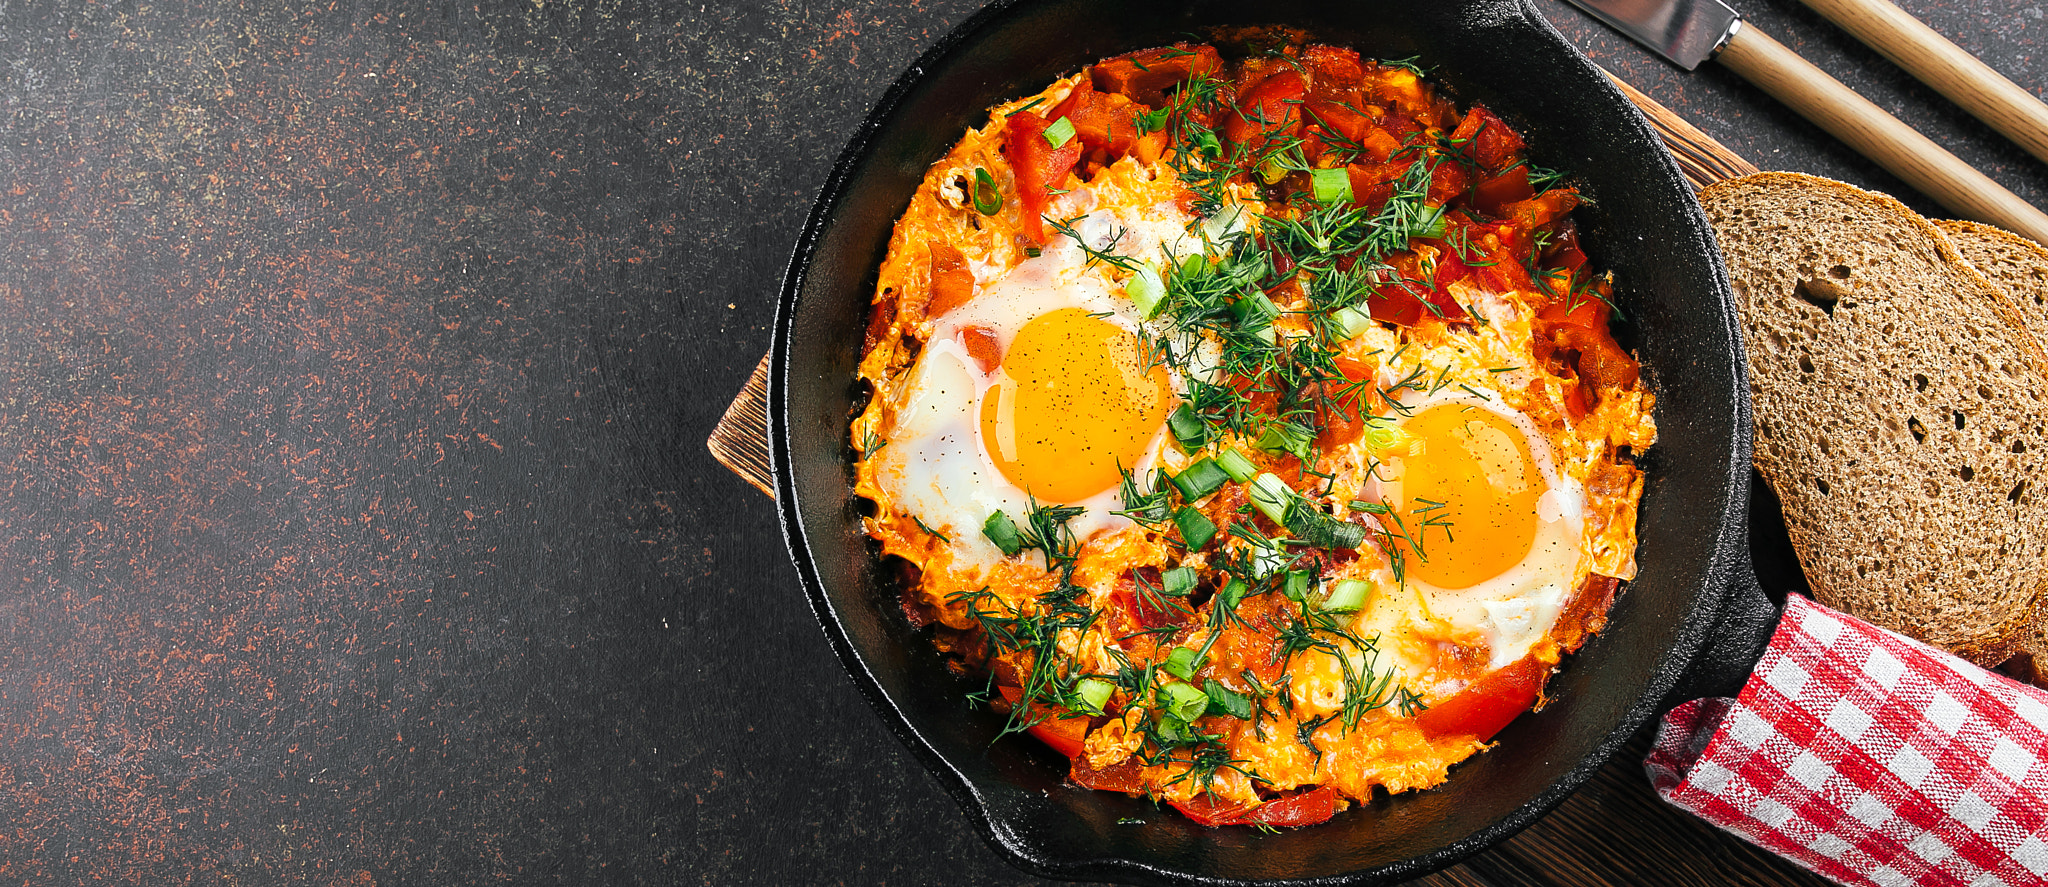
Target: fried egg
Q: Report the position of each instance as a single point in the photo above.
(1038, 390)
(1493, 527)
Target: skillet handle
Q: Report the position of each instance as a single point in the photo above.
(1748, 619)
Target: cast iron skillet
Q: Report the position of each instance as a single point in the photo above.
(1641, 220)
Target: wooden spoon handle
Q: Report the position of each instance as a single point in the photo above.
(1925, 54)
(1877, 135)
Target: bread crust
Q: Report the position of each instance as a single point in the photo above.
(1901, 410)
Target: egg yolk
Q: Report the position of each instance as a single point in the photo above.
(1076, 406)
(1469, 489)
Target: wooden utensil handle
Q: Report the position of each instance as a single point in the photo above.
(1927, 55)
(1877, 135)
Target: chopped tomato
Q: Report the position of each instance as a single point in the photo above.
(1062, 731)
(1145, 76)
(1373, 183)
(1342, 408)
(1127, 775)
(1446, 182)
(1503, 245)
(1269, 112)
(1488, 140)
(1311, 807)
(1064, 735)
(984, 346)
(1483, 708)
(1312, 145)
(1564, 253)
(1105, 121)
(1495, 192)
(1377, 144)
(952, 280)
(1038, 167)
(1401, 126)
(1409, 301)
(1334, 70)
(1398, 303)
(1581, 311)
(1207, 809)
(1541, 209)
(1394, 87)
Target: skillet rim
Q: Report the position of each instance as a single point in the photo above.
(1716, 581)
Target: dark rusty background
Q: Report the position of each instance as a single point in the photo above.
(356, 526)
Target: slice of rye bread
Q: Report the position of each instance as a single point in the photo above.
(2017, 265)
(2020, 267)
(1901, 410)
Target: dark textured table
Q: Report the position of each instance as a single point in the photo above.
(356, 526)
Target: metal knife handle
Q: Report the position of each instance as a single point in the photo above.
(1925, 54)
(1877, 135)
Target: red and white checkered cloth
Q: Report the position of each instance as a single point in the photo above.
(1869, 758)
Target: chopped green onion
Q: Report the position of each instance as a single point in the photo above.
(1182, 662)
(1384, 438)
(1271, 495)
(988, 200)
(1147, 291)
(1285, 437)
(1236, 465)
(1228, 701)
(1200, 479)
(1153, 120)
(1182, 702)
(1348, 596)
(1195, 529)
(1352, 321)
(1003, 532)
(1059, 133)
(1231, 594)
(1370, 507)
(1093, 694)
(1429, 223)
(1173, 731)
(1273, 170)
(1255, 311)
(1331, 185)
(1267, 560)
(1187, 428)
(1033, 252)
(1312, 526)
(1297, 585)
(1178, 582)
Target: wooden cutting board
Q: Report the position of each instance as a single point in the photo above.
(1614, 830)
